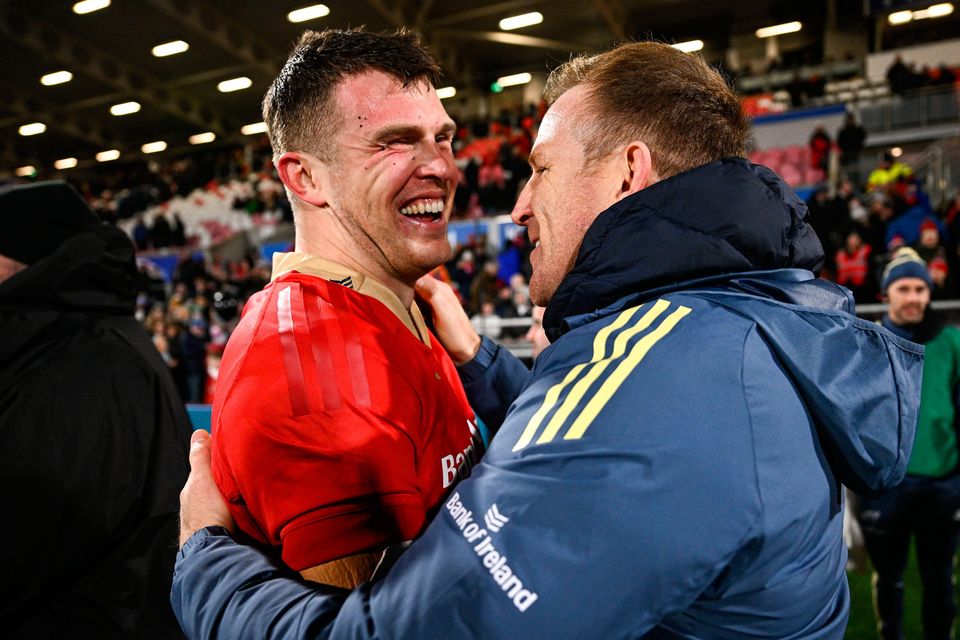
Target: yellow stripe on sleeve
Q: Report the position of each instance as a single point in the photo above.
(619, 375)
(553, 394)
(575, 397)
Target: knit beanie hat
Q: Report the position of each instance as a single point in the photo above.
(906, 263)
(37, 218)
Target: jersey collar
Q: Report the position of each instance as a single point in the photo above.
(313, 265)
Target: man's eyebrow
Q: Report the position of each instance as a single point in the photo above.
(534, 159)
(409, 131)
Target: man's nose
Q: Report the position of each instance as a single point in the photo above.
(522, 211)
(437, 162)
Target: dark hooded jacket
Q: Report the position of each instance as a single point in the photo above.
(672, 466)
(93, 450)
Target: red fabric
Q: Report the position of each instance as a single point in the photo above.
(336, 431)
(852, 269)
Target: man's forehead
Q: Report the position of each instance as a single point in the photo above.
(375, 94)
(562, 115)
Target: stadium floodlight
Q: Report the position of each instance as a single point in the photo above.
(26, 171)
(32, 129)
(309, 13)
(900, 17)
(57, 77)
(125, 108)
(515, 79)
(65, 163)
(521, 21)
(779, 29)
(203, 138)
(154, 147)
(939, 10)
(234, 84)
(896, 152)
(256, 127)
(89, 6)
(689, 46)
(107, 156)
(446, 92)
(169, 48)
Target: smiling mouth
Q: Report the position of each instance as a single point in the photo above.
(424, 209)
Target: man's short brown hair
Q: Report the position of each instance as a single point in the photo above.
(299, 109)
(675, 102)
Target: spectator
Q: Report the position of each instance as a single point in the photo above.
(853, 267)
(536, 336)
(820, 145)
(889, 171)
(933, 253)
(925, 504)
(487, 322)
(93, 437)
(850, 139)
(899, 76)
(486, 286)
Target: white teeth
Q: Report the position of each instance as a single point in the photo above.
(536, 244)
(422, 207)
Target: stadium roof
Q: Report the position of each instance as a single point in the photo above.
(108, 53)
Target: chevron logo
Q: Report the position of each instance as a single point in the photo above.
(346, 282)
(494, 519)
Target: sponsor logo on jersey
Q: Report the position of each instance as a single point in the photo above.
(492, 558)
(458, 466)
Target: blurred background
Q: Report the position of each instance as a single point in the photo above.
(151, 108)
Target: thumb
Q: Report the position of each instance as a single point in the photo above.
(426, 286)
(200, 451)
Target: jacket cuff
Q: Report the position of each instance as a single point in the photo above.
(202, 534)
(474, 369)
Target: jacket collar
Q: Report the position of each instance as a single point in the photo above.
(725, 217)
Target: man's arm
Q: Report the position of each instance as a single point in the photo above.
(492, 377)
(345, 573)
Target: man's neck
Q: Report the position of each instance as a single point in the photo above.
(333, 245)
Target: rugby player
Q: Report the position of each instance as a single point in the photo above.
(340, 423)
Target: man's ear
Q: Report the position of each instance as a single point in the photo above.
(637, 166)
(305, 176)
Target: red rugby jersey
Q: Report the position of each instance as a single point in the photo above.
(336, 429)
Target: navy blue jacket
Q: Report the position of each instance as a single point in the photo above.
(671, 467)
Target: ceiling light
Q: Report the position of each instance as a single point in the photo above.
(309, 13)
(939, 10)
(256, 127)
(518, 22)
(779, 29)
(32, 129)
(170, 48)
(23, 172)
(234, 84)
(107, 156)
(515, 79)
(203, 138)
(900, 17)
(446, 92)
(89, 6)
(65, 163)
(896, 152)
(125, 108)
(690, 46)
(154, 147)
(57, 77)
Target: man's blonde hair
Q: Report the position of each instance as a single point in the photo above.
(675, 102)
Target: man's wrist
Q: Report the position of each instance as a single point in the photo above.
(464, 357)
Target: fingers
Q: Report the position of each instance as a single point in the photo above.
(200, 451)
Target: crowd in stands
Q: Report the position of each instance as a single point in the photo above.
(860, 229)
(190, 317)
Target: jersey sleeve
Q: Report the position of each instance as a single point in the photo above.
(323, 486)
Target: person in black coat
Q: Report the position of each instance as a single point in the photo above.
(93, 437)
